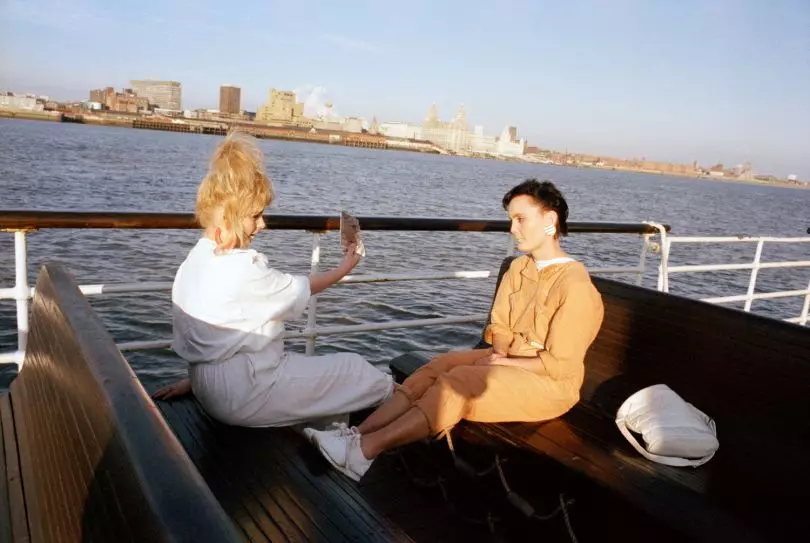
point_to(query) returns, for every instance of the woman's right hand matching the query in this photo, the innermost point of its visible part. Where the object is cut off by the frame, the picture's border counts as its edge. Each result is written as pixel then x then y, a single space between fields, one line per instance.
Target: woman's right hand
pixel 351 260
pixel 175 390
pixel 318 282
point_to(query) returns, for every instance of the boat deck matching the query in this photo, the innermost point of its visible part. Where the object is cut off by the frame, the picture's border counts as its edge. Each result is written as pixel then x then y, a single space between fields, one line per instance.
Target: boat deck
pixel 275 487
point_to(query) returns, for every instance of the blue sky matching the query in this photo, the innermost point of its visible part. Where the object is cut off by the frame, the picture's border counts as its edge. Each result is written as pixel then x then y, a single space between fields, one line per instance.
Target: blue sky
pixel 712 80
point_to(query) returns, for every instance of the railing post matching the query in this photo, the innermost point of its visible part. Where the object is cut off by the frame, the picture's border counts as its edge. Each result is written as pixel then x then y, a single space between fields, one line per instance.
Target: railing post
pixel 642 259
pixel 663 267
pixel 22 292
pixel 754 272
pixel 313 300
pixel 805 308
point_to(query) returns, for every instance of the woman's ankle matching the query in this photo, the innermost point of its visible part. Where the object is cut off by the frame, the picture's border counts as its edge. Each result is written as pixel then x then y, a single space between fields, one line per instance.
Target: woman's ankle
pixel 366 449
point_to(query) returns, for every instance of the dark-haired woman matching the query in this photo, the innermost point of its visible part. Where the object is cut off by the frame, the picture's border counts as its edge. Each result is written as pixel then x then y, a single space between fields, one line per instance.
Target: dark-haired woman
pixel 545 316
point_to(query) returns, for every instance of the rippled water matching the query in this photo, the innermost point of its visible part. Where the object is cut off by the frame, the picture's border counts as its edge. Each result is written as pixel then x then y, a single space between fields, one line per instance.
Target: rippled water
pixel 64 166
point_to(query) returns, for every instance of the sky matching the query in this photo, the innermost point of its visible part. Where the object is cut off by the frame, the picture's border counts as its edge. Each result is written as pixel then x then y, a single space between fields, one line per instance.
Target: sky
pixel 714 80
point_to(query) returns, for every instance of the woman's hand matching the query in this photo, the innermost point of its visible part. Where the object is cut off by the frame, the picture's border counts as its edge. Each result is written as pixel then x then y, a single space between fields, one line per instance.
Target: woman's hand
pixel 351 260
pixel 175 390
pixel 318 282
pixel 532 364
pixel 493 359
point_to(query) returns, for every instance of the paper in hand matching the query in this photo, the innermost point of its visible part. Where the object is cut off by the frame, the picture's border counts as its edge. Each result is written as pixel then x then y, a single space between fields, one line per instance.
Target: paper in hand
pixel 350 234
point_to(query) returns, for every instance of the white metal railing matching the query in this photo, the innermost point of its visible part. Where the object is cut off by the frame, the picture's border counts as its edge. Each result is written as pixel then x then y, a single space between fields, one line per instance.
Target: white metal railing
pixel 22 293
pixel 665 270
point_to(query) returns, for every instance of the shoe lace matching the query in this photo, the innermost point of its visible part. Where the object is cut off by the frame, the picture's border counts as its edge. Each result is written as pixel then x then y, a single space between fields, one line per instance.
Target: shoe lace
pixel 344 429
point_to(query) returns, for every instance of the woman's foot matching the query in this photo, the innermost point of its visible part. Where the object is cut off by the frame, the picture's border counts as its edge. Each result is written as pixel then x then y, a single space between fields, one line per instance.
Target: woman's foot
pixel 343 452
pixel 338 429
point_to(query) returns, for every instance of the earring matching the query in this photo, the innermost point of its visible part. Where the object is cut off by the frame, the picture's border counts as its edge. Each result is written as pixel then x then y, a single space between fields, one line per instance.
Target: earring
pixel 550 230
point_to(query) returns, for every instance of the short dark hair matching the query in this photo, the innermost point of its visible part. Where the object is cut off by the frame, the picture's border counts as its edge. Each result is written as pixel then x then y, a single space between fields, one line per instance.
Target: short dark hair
pixel 546 195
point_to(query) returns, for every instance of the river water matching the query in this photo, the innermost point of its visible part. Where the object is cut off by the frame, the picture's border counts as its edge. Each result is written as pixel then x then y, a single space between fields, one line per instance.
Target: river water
pixel 47 166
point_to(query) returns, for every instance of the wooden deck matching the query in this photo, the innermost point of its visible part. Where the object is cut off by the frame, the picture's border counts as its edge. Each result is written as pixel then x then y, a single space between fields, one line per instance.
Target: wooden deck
pixel 275 487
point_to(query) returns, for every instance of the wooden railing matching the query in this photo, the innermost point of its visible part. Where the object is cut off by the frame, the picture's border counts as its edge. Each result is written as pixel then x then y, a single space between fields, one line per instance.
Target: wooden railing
pixel 12 220
pixel 21 221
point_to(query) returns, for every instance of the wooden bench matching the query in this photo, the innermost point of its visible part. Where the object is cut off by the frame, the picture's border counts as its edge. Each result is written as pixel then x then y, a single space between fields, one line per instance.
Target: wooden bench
pixel 87 456
pixel 750 373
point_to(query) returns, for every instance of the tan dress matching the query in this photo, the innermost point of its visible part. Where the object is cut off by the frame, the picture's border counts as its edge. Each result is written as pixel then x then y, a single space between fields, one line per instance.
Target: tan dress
pixel 553 314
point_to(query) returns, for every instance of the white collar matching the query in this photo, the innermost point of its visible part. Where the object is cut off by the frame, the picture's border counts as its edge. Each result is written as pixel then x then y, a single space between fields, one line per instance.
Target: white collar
pixel 545 263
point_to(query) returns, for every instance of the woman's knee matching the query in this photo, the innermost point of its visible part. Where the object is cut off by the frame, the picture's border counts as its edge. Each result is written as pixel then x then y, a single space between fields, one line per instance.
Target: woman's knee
pixel 466 381
pixel 443 405
pixel 402 391
pixel 442 362
pixel 437 366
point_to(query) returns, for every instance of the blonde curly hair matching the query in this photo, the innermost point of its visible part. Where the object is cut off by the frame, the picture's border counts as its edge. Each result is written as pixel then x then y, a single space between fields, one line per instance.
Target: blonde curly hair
pixel 234 188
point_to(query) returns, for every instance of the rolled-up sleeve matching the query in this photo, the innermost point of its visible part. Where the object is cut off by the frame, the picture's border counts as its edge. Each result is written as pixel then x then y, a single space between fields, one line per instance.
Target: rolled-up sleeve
pixel 572 329
pixel 273 295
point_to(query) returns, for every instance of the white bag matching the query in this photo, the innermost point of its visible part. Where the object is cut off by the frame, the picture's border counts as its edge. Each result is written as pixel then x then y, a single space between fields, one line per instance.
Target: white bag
pixel 675 432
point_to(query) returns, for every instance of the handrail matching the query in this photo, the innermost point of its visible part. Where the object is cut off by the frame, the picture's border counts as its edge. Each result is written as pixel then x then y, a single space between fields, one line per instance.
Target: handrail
pixel 16 220
pixel 20 222
pixel 755 265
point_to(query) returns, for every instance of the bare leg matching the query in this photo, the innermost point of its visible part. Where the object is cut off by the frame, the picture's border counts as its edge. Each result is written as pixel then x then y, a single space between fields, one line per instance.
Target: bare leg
pixel 388 412
pixel 410 427
pixel 418 383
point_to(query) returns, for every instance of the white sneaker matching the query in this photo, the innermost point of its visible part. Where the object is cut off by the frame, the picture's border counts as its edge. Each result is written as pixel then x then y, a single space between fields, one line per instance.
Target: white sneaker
pixel 338 429
pixel 344 453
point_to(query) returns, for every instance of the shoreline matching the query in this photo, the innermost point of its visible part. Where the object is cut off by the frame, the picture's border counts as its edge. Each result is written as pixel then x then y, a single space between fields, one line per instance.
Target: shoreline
pixel 782 184
pixel 330 137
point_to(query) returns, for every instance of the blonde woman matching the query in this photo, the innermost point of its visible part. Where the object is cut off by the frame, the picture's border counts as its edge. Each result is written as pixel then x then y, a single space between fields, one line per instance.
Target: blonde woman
pixel 229 308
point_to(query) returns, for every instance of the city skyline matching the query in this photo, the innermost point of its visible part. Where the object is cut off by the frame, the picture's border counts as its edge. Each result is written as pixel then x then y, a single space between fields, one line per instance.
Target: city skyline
pixel 713 81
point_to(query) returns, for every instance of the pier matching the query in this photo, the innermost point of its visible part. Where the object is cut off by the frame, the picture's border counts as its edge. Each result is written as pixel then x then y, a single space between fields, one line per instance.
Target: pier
pixel 213 129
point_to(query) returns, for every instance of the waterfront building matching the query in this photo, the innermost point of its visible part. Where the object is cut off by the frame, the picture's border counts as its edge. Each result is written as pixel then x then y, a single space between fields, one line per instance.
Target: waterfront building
pixel 479 143
pixel 10 100
pixel 352 124
pixel 509 144
pixel 123 102
pixel 230 98
pixel 397 129
pixel 717 171
pixel 161 94
pixel 452 135
pixel 281 107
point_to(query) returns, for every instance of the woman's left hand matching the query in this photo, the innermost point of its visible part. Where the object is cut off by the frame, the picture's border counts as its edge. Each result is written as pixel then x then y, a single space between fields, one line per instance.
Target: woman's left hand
pixel 493 359
pixel 175 390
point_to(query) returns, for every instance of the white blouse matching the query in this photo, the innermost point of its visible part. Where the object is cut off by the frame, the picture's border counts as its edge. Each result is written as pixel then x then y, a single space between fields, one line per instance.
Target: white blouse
pixel 233 303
